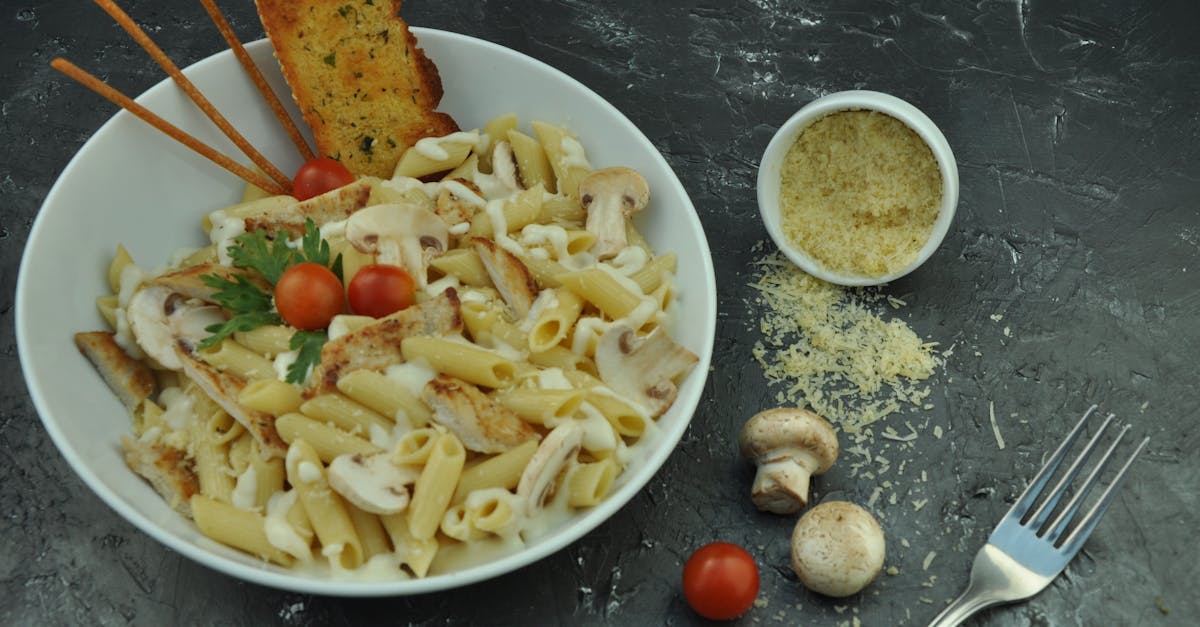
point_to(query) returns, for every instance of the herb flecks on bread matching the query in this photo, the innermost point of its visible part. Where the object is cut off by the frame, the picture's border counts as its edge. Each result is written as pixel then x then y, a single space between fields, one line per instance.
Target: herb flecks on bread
pixel 361 82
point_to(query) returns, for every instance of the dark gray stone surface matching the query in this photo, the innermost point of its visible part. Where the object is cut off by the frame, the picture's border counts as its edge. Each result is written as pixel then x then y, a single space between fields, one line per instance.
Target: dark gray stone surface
pixel 1078 139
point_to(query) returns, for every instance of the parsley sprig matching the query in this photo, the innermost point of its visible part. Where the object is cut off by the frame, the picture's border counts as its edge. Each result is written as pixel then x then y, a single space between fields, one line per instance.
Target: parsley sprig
pixel 252 306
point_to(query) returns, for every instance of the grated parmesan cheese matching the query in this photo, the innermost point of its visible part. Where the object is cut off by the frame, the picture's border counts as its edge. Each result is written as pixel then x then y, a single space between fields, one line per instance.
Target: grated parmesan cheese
pixel 859 192
pixel 830 348
pixel 995 427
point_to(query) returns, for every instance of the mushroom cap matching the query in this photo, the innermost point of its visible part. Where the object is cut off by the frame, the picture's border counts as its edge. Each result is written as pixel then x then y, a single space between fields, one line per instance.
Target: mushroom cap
pixel 784 432
pixel 366 227
pixel 837 548
pixel 625 184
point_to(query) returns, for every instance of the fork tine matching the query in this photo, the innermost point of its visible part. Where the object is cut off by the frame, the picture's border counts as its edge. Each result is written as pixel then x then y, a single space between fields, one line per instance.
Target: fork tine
pixel 1056 528
pixel 1044 510
pixel 1088 523
pixel 1031 493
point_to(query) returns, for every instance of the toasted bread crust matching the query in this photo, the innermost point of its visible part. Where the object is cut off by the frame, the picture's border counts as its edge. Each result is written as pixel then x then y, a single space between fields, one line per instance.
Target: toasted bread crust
pixel 361 82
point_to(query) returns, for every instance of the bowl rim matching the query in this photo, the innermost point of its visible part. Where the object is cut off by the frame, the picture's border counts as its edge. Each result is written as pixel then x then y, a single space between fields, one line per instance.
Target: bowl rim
pixel 768 182
pixel 303 582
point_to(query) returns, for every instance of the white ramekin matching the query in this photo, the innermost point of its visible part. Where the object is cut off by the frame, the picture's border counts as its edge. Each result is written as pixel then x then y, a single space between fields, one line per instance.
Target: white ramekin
pixel 858 100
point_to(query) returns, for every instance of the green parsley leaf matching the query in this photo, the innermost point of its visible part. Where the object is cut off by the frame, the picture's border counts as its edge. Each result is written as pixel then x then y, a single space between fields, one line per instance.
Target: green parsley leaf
pixel 269 256
pixel 309 344
pixel 241 322
pixel 316 250
pixel 239 295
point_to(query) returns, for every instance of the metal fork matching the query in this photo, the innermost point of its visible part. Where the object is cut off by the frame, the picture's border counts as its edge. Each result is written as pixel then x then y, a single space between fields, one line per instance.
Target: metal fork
pixel 1025 553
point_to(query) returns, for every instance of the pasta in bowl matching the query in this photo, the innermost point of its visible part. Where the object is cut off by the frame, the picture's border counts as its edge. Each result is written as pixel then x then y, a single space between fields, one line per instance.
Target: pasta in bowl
pixel 510 424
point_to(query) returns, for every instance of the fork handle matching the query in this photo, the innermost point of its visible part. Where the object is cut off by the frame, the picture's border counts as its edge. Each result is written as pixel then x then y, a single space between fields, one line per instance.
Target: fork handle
pixel 962 608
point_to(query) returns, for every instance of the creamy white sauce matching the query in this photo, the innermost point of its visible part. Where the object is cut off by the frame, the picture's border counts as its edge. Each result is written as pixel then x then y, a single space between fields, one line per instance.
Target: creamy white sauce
pixel 245 489
pixel 553 379
pixel 308 472
pixel 131 278
pixel 280 533
pixel 546 299
pixel 495 211
pixel 459 229
pixel 588 330
pixel 434 147
pixel 282 362
pixel 573 154
pixel 630 260
pixel 443 284
pixel 598 434
pixel 463 193
pixel 178 408
pixel 224 229
pixel 413 375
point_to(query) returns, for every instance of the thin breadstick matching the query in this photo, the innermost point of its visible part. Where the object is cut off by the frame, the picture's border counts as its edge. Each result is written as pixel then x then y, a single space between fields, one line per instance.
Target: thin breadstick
pixel 174 132
pixel 192 92
pixel 260 81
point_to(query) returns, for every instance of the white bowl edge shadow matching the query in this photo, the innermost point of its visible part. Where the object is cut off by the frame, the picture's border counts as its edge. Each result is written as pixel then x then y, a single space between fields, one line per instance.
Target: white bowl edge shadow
pixel 113 170
pixel 770 166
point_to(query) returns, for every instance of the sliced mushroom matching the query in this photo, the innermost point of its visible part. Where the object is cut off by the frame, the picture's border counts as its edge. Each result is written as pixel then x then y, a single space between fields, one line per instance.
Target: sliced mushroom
pixel 509 274
pixel 372 482
pixel 401 235
pixel 482 424
pixel 610 196
pixel 504 166
pixel 790 445
pixel 552 458
pixel 642 369
pixel 837 548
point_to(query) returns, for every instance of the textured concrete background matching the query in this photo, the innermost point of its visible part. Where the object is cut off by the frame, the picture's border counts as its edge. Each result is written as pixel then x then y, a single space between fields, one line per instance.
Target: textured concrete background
pixel 1078 140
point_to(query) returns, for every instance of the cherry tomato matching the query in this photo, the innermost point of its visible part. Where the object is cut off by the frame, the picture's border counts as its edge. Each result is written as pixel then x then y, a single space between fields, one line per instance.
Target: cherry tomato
pixel 720 581
pixel 379 289
pixel 308 296
pixel 318 176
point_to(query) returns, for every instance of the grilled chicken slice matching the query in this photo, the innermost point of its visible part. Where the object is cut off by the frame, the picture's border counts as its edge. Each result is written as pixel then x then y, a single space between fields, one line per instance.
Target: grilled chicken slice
pixel 331 206
pixel 224 389
pixel 166 468
pixel 377 345
pixel 508 273
pixel 131 380
pixel 481 423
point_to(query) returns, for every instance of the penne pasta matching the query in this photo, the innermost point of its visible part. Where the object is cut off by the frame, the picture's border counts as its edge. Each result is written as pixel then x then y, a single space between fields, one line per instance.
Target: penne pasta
pixel 237 528
pixel 589 483
pixel 435 486
pixel 565 154
pixel 328 441
pixel 385 396
pixel 544 407
pixel 412 552
pixel 603 290
pixel 229 356
pixel 345 413
pixel 269 340
pixel 553 323
pixel 464 265
pixel 271 396
pixel 459 359
pixel 415 447
pixel 330 520
pixel 532 163
pixel 499 471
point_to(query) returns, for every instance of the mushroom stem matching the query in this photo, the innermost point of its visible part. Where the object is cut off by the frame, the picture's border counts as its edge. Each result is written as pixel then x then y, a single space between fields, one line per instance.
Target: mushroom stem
pixel 780 485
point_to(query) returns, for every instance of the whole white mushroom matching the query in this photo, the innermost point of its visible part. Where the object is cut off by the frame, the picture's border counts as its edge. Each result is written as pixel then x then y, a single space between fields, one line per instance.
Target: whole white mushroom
pixel 789 445
pixel 837 548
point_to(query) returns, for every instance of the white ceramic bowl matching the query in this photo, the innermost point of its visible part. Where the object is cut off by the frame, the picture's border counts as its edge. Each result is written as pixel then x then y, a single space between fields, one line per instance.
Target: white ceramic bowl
pixel 129 184
pixel 785 137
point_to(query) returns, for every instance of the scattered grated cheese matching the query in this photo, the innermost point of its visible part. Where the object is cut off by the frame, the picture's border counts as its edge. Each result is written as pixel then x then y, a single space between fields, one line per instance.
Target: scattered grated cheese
pixel 893 571
pixel 904 542
pixel 830 348
pixel 928 560
pixel 937 431
pixel 995 427
pixel 918 504
pixel 996 317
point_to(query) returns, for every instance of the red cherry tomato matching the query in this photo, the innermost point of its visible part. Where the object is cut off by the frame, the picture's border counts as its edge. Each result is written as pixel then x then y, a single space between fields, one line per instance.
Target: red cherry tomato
pixel 720 581
pixel 379 289
pixel 308 296
pixel 318 176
